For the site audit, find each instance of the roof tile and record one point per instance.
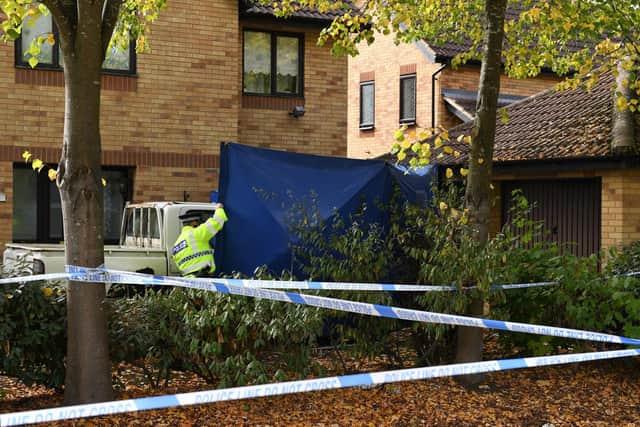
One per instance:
(251, 8)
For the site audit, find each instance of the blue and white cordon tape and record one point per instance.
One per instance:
(239, 287)
(37, 278)
(378, 310)
(71, 274)
(276, 389)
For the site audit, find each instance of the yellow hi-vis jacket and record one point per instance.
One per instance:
(192, 251)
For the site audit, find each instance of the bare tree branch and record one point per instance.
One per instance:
(66, 28)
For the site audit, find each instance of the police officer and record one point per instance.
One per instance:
(192, 251)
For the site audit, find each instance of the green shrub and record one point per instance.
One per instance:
(225, 339)
(349, 250)
(33, 330)
(625, 260)
(608, 302)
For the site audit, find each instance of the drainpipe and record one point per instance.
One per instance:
(433, 95)
(622, 138)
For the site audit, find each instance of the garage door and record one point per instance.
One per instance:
(570, 209)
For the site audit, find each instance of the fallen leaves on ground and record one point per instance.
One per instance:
(603, 393)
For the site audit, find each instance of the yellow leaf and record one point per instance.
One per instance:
(412, 134)
(437, 142)
(52, 173)
(464, 172)
(491, 186)
(459, 138)
(448, 149)
(449, 173)
(50, 39)
(480, 161)
(423, 134)
(47, 292)
(443, 206)
(406, 144)
(621, 103)
(104, 182)
(456, 153)
(26, 156)
(37, 164)
(467, 139)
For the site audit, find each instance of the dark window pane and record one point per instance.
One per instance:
(287, 63)
(155, 228)
(408, 99)
(367, 99)
(25, 222)
(257, 62)
(31, 30)
(55, 212)
(115, 193)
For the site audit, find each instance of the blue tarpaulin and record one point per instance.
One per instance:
(260, 189)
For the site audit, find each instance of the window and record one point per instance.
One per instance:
(118, 61)
(367, 105)
(272, 63)
(37, 211)
(408, 99)
(143, 229)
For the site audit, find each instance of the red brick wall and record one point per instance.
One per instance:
(169, 120)
(266, 122)
(385, 60)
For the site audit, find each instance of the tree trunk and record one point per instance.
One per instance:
(477, 197)
(88, 368)
(622, 135)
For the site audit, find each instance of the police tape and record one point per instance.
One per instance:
(377, 310)
(290, 387)
(342, 286)
(35, 278)
(298, 285)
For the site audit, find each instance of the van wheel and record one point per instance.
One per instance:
(156, 288)
(129, 290)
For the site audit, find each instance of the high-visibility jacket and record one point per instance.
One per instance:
(191, 251)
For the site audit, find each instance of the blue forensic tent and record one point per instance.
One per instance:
(260, 187)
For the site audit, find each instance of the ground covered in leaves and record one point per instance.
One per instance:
(604, 393)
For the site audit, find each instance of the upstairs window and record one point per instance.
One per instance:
(118, 61)
(408, 99)
(272, 63)
(367, 105)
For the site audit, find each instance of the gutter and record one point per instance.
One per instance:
(433, 95)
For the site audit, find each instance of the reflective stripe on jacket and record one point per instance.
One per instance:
(192, 251)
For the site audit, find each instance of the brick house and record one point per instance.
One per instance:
(414, 84)
(558, 148)
(218, 71)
